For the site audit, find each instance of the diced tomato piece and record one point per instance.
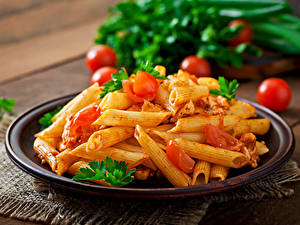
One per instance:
(127, 87)
(219, 138)
(145, 84)
(178, 157)
(84, 117)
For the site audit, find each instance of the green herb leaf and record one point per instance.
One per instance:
(46, 120)
(6, 105)
(227, 89)
(112, 172)
(115, 84)
(148, 67)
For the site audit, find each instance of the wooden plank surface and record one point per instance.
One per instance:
(38, 35)
(73, 77)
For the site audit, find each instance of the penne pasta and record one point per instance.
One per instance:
(84, 99)
(218, 173)
(180, 95)
(213, 155)
(132, 158)
(177, 177)
(261, 148)
(133, 148)
(241, 109)
(197, 123)
(75, 168)
(187, 109)
(115, 100)
(142, 173)
(108, 137)
(209, 82)
(256, 126)
(114, 117)
(149, 107)
(197, 137)
(162, 98)
(64, 161)
(201, 173)
(45, 152)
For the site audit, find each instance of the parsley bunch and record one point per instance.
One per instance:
(227, 89)
(46, 120)
(166, 31)
(6, 105)
(112, 172)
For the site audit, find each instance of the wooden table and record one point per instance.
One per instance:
(46, 62)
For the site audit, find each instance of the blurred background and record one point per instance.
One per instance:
(36, 34)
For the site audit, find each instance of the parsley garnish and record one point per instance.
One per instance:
(6, 105)
(148, 67)
(46, 120)
(110, 171)
(115, 84)
(227, 90)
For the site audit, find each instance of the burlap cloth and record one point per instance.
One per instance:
(26, 198)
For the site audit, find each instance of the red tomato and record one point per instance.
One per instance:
(196, 65)
(274, 93)
(218, 138)
(178, 157)
(145, 84)
(244, 36)
(103, 75)
(84, 117)
(127, 87)
(99, 56)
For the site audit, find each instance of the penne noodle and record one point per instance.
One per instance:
(209, 82)
(115, 100)
(132, 158)
(132, 141)
(149, 107)
(164, 127)
(261, 148)
(128, 147)
(142, 173)
(45, 152)
(180, 95)
(64, 161)
(114, 117)
(162, 98)
(256, 126)
(197, 123)
(197, 137)
(177, 177)
(218, 173)
(84, 99)
(187, 109)
(108, 137)
(75, 168)
(213, 155)
(161, 69)
(201, 173)
(241, 109)
(133, 148)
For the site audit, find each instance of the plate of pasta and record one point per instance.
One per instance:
(150, 136)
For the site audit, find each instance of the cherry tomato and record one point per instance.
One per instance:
(196, 65)
(84, 117)
(178, 157)
(274, 93)
(244, 36)
(103, 75)
(127, 87)
(145, 84)
(218, 138)
(99, 56)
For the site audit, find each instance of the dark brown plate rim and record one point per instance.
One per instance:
(16, 154)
